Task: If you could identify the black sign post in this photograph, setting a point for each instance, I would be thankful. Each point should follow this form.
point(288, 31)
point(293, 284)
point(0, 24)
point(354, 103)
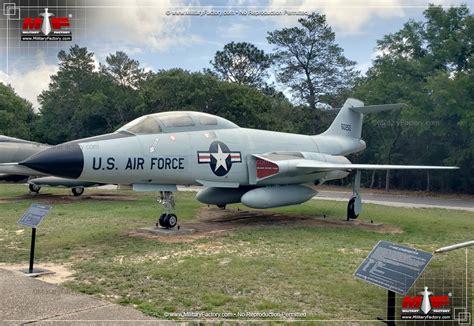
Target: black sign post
point(391, 296)
point(32, 249)
point(32, 218)
point(395, 268)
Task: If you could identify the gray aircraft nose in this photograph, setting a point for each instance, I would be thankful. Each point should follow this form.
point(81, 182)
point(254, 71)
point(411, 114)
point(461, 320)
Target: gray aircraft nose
point(66, 160)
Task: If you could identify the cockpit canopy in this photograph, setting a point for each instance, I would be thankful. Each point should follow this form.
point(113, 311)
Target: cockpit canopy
point(176, 121)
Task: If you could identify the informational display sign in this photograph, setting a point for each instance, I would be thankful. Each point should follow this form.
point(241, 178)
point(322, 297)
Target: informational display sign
point(393, 267)
point(34, 215)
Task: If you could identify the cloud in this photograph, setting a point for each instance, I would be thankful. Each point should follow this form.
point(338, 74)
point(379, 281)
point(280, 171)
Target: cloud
point(96, 63)
point(363, 67)
point(139, 23)
point(347, 17)
point(234, 31)
point(31, 83)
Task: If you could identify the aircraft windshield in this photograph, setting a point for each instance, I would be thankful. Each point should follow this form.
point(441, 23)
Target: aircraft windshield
point(207, 120)
point(147, 125)
point(176, 119)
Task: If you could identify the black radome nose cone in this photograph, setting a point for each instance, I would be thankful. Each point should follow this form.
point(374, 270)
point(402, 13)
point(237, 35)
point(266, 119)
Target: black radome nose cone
point(66, 160)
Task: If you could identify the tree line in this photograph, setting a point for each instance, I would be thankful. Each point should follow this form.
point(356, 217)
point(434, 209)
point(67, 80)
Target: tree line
point(426, 64)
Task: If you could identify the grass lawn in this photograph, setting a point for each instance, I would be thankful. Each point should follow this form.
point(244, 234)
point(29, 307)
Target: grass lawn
point(254, 269)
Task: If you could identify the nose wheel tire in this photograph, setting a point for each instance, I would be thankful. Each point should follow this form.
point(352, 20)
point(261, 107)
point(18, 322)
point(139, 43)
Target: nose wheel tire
point(34, 188)
point(168, 221)
point(77, 191)
point(161, 221)
point(171, 220)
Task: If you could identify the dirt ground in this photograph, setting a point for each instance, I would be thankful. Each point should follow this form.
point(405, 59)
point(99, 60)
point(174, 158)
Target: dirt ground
point(214, 221)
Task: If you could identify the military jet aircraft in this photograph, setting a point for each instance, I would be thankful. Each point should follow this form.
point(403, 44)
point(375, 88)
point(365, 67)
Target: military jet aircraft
point(16, 150)
point(260, 169)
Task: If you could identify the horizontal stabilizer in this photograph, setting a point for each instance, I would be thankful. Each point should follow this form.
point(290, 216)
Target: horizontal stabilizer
point(348, 122)
point(378, 108)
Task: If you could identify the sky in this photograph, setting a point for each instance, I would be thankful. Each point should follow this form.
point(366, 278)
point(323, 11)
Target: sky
point(186, 34)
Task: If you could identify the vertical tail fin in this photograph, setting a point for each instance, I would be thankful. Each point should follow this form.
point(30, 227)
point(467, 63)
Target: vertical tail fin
point(348, 122)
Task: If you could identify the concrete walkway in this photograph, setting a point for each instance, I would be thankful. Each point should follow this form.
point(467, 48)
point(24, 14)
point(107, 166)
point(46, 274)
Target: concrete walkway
point(400, 200)
point(25, 300)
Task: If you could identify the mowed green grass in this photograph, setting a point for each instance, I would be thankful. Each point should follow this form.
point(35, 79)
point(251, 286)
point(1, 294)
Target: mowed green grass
point(254, 269)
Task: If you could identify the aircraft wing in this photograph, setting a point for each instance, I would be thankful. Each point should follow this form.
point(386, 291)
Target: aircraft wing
point(325, 166)
point(290, 164)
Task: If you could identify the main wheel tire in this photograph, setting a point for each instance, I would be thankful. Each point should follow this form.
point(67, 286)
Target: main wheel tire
point(351, 215)
point(172, 220)
point(162, 220)
point(77, 191)
point(221, 206)
point(34, 188)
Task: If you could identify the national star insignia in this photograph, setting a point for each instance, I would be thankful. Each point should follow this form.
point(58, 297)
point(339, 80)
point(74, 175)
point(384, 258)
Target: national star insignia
point(220, 158)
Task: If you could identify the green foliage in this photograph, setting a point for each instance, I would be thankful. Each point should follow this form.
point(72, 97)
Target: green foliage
point(82, 101)
point(124, 70)
point(428, 66)
point(242, 63)
point(16, 114)
point(310, 62)
point(60, 117)
point(177, 89)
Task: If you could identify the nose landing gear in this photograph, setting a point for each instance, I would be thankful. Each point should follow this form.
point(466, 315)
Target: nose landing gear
point(168, 219)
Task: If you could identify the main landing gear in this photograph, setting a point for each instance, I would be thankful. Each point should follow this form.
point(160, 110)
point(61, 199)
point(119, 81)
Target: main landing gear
point(167, 219)
point(77, 191)
point(34, 188)
point(354, 206)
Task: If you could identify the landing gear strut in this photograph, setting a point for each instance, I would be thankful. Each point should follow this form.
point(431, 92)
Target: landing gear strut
point(354, 206)
point(168, 219)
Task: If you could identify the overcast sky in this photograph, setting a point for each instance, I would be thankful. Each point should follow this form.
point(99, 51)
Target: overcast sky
point(150, 32)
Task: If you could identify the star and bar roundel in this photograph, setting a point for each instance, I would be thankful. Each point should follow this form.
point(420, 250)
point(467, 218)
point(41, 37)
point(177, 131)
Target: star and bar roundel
point(219, 157)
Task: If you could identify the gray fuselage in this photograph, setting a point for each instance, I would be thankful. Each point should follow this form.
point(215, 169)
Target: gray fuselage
point(173, 158)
